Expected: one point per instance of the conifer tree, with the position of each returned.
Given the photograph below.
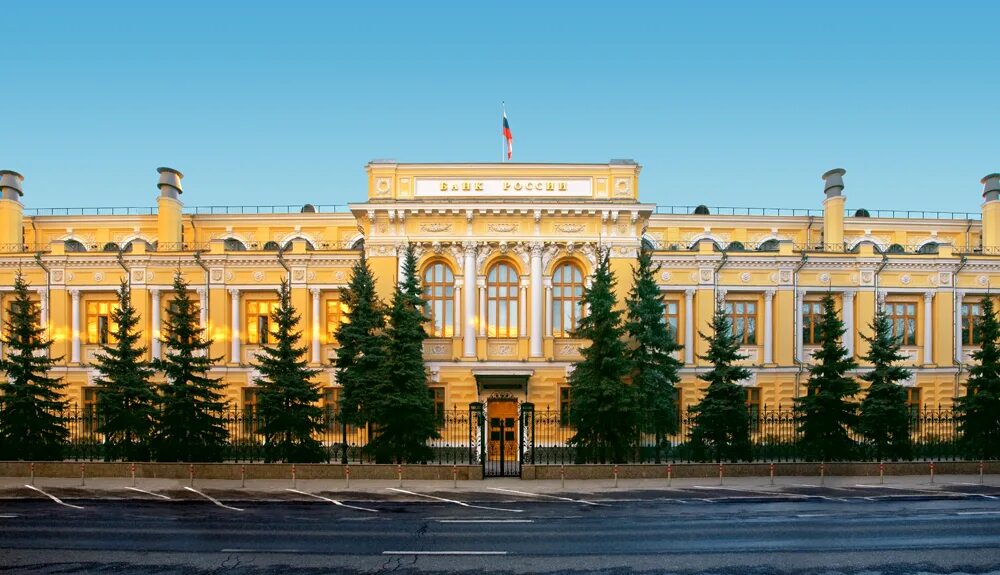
(827, 413)
(721, 421)
(884, 420)
(603, 407)
(361, 356)
(403, 408)
(32, 424)
(652, 353)
(126, 406)
(979, 409)
(287, 401)
(191, 420)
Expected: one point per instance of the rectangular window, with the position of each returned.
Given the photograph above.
(564, 406)
(250, 399)
(331, 408)
(336, 314)
(100, 327)
(88, 409)
(812, 314)
(437, 394)
(743, 320)
(671, 309)
(903, 316)
(914, 406)
(753, 407)
(249, 416)
(971, 314)
(260, 328)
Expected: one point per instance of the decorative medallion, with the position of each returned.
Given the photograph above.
(824, 278)
(773, 278)
(932, 279)
(502, 228)
(217, 275)
(382, 187)
(311, 276)
(258, 276)
(98, 277)
(339, 276)
(745, 277)
(983, 280)
(229, 276)
(944, 278)
(70, 276)
(57, 276)
(435, 228)
(905, 279)
(298, 275)
(438, 349)
(665, 276)
(570, 228)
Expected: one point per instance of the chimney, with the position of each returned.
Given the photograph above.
(833, 210)
(168, 216)
(991, 213)
(11, 211)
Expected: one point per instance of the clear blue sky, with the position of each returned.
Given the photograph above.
(724, 103)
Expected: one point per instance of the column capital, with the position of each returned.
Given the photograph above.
(315, 292)
(202, 292)
(929, 295)
(689, 292)
(769, 293)
(459, 282)
(536, 249)
(960, 293)
(234, 291)
(481, 282)
(154, 291)
(470, 248)
(547, 282)
(849, 294)
(524, 283)
(73, 293)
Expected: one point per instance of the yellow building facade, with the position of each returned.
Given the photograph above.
(505, 251)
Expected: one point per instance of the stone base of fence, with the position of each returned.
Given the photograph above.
(798, 469)
(234, 471)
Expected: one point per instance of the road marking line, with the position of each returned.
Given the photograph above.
(260, 551)
(921, 490)
(7, 516)
(820, 486)
(160, 495)
(978, 513)
(485, 520)
(334, 501)
(212, 499)
(584, 501)
(804, 515)
(738, 490)
(463, 504)
(444, 553)
(53, 497)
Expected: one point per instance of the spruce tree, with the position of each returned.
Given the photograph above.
(361, 354)
(721, 422)
(603, 407)
(827, 413)
(126, 406)
(979, 409)
(652, 353)
(287, 401)
(403, 409)
(32, 424)
(191, 425)
(884, 420)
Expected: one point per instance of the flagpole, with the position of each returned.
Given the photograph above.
(503, 137)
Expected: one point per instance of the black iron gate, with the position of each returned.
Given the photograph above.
(504, 436)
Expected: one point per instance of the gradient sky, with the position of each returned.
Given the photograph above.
(723, 103)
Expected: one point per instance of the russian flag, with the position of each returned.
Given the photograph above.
(507, 135)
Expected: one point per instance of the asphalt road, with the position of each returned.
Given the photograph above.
(690, 530)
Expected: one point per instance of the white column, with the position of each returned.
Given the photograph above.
(547, 282)
(154, 341)
(848, 305)
(203, 309)
(234, 329)
(458, 307)
(400, 261)
(928, 327)
(689, 326)
(315, 324)
(469, 269)
(800, 297)
(43, 304)
(483, 312)
(522, 304)
(959, 352)
(74, 295)
(536, 299)
(768, 326)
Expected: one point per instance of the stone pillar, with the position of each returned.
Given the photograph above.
(848, 309)
(74, 295)
(800, 298)
(234, 329)
(315, 324)
(536, 300)
(203, 309)
(154, 341)
(547, 282)
(484, 315)
(458, 307)
(689, 326)
(768, 327)
(959, 352)
(928, 327)
(522, 305)
(469, 270)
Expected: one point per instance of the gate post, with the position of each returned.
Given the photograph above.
(475, 432)
(343, 435)
(527, 415)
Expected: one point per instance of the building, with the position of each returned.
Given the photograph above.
(505, 251)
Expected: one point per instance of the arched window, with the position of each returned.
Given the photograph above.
(74, 246)
(928, 248)
(271, 246)
(501, 301)
(234, 245)
(567, 293)
(439, 299)
(770, 245)
(110, 247)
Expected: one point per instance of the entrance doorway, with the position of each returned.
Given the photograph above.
(503, 446)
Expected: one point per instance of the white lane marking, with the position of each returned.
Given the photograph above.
(444, 553)
(53, 497)
(334, 501)
(584, 501)
(922, 490)
(260, 551)
(463, 504)
(804, 515)
(738, 490)
(978, 513)
(485, 520)
(160, 495)
(10, 516)
(820, 486)
(212, 499)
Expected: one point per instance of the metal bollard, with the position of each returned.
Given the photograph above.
(771, 469)
(562, 475)
(822, 473)
(399, 473)
(670, 474)
(83, 473)
(243, 475)
(616, 475)
(881, 472)
(133, 475)
(191, 473)
(347, 475)
(454, 476)
(932, 472)
(721, 472)
(32, 468)
(293, 477)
